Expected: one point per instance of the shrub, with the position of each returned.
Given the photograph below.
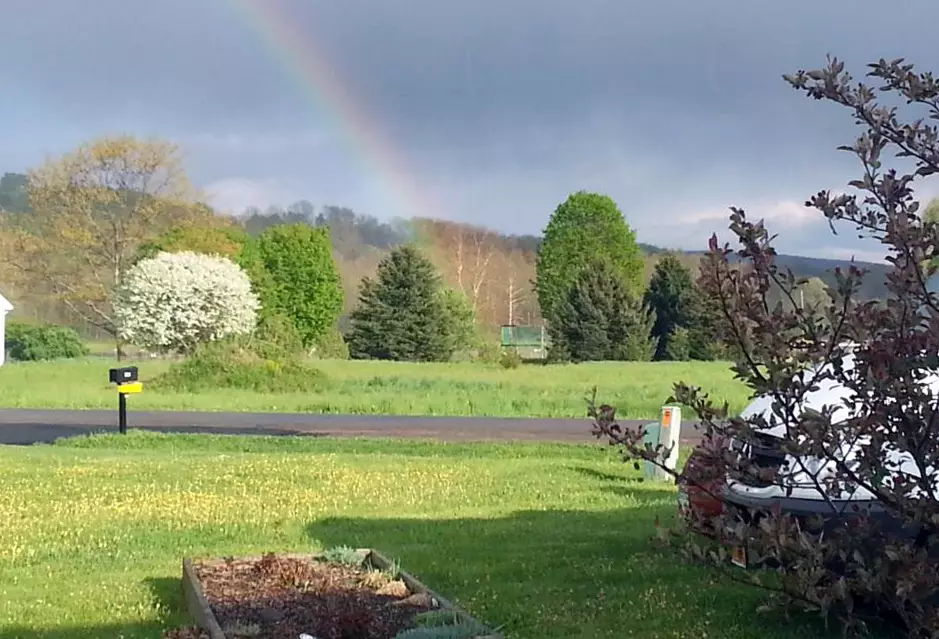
(30, 342)
(489, 351)
(175, 302)
(331, 345)
(510, 359)
(277, 337)
(243, 364)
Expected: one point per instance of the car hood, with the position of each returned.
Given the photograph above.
(829, 394)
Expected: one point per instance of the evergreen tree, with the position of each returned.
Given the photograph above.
(599, 320)
(678, 348)
(639, 344)
(401, 314)
(462, 333)
(669, 295)
(704, 340)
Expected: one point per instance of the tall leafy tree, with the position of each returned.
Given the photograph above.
(402, 314)
(583, 227)
(292, 268)
(599, 319)
(219, 237)
(669, 296)
(92, 208)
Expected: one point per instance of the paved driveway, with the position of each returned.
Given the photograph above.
(45, 426)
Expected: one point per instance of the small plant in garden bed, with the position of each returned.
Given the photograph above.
(446, 624)
(344, 555)
(343, 593)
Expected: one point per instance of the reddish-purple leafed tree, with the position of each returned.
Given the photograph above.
(877, 557)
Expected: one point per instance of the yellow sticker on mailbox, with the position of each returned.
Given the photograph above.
(132, 387)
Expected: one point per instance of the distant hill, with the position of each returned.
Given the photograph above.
(353, 232)
(873, 287)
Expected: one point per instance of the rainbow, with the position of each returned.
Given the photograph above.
(311, 70)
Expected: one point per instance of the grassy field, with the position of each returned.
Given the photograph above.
(638, 390)
(550, 540)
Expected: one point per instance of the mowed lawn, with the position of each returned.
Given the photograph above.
(637, 389)
(549, 540)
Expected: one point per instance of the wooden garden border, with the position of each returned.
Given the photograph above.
(202, 613)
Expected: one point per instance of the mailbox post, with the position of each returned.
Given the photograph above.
(666, 433)
(671, 433)
(126, 381)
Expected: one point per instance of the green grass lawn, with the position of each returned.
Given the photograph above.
(637, 389)
(550, 540)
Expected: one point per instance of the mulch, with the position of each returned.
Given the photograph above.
(279, 597)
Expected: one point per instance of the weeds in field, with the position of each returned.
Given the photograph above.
(510, 359)
(244, 365)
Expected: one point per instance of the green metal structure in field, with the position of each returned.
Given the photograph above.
(531, 342)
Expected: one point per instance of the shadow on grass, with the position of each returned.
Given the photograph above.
(541, 574)
(167, 593)
(592, 473)
(568, 573)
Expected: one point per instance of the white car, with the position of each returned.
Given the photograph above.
(794, 490)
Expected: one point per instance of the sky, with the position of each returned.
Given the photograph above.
(488, 112)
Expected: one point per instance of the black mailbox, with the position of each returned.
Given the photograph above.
(123, 375)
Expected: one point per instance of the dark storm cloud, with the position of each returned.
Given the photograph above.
(675, 108)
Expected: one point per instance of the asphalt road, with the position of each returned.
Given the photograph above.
(25, 427)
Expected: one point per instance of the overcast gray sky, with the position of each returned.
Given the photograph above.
(488, 111)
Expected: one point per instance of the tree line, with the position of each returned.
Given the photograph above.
(72, 227)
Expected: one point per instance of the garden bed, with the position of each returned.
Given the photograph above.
(340, 594)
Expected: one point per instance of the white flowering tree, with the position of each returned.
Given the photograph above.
(174, 302)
